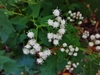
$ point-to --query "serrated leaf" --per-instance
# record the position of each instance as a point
(6, 27)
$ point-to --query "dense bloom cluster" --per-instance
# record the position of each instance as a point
(70, 50)
(32, 47)
(70, 66)
(85, 34)
(59, 24)
(73, 16)
(95, 41)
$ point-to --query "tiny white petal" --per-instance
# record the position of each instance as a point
(32, 42)
(75, 54)
(50, 22)
(69, 62)
(58, 19)
(55, 42)
(27, 46)
(91, 44)
(97, 42)
(62, 49)
(39, 60)
(26, 51)
(55, 24)
(63, 22)
(69, 12)
(64, 44)
(92, 37)
(80, 22)
(74, 65)
(56, 12)
(97, 47)
(30, 34)
(97, 35)
(61, 31)
(32, 51)
(76, 49)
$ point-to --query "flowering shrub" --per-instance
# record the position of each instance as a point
(42, 37)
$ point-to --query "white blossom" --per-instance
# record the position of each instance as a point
(77, 63)
(67, 50)
(74, 65)
(40, 54)
(75, 54)
(26, 51)
(63, 22)
(27, 46)
(72, 49)
(30, 34)
(97, 42)
(68, 18)
(37, 47)
(32, 42)
(76, 49)
(58, 36)
(70, 53)
(69, 12)
(55, 24)
(92, 37)
(61, 31)
(50, 22)
(69, 62)
(59, 19)
(64, 44)
(47, 52)
(62, 49)
(32, 51)
(97, 47)
(55, 42)
(56, 12)
(84, 36)
(39, 60)
(97, 35)
(70, 46)
(50, 36)
(91, 44)
(80, 22)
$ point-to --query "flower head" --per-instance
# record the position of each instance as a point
(30, 34)
(56, 12)
(26, 51)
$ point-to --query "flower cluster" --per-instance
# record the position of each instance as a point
(73, 16)
(95, 41)
(59, 23)
(32, 47)
(43, 56)
(70, 66)
(85, 34)
(69, 49)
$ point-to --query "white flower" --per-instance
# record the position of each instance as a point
(75, 54)
(47, 52)
(67, 67)
(80, 22)
(44, 57)
(69, 62)
(69, 12)
(74, 13)
(27, 46)
(49, 40)
(58, 36)
(71, 20)
(32, 51)
(67, 51)
(97, 47)
(91, 44)
(81, 18)
(70, 53)
(32, 42)
(68, 18)
(55, 24)
(63, 22)
(56, 12)
(50, 22)
(37, 47)
(84, 36)
(30, 34)
(77, 63)
(39, 60)
(61, 31)
(64, 44)
(74, 65)
(62, 49)
(92, 37)
(72, 49)
(97, 35)
(58, 19)
(40, 54)
(26, 51)
(55, 42)
(70, 46)
(78, 13)
(76, 49)
(97, 42)
(50, 36)
(71, 69)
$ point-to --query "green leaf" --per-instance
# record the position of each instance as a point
(6, 27)
(49, 67)
(25, 61)
(35, 9)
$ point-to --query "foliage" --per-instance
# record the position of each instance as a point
(18, 17)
